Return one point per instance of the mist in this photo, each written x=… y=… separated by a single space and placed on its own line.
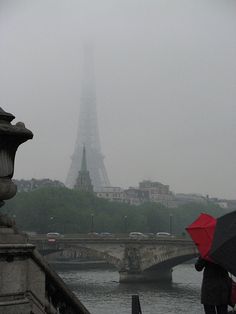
x=165 y=85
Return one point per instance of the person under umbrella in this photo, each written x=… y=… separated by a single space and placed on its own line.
x=223 y=247
x=216 y=287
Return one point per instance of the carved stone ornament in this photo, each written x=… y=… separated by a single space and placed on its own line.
x=11 y=136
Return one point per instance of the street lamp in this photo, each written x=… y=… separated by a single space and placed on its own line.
x=52 y=222
x=92 y=223
x=125 y=224
x=170 y=223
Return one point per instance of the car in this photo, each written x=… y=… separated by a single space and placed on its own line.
x=52 y=240
x=53 y=235
x=105 y=234
x=137 y=235
x=30 y=233
x=93 y=234
x=163 y=234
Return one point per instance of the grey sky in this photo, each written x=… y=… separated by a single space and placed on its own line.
x=166 y=87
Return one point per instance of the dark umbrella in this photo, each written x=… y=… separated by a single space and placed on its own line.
x=223 y=249
x=202 y=233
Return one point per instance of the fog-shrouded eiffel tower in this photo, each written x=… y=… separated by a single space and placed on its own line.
x=88 y=134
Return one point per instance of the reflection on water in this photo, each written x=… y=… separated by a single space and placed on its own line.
x=101 y=293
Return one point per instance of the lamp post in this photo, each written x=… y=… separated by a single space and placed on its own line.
x=92 y=223
x=125 y=224
x=11 y=137
x=52 y=222
x=170 y=223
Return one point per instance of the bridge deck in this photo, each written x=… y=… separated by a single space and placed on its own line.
x=125 y=240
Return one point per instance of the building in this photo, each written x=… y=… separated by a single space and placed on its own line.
x=110 y=193
x=33 y=184
x=231 y=204
x=88 y=133
x=131 y=196
x=158 y=192
x=182 y=198
x=155 y=186
x=135 y=196
x=147 y=191
x=83 y=182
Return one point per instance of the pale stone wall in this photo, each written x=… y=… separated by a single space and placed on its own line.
x=22 y=282
x=27 y=283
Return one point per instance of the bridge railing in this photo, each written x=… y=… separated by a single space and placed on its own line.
x=109 y=236
x=57 y=292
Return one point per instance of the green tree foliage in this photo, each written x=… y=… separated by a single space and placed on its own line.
x=70 y=211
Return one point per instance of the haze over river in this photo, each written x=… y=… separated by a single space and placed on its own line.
x=101 y=293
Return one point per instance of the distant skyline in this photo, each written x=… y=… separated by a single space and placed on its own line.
x=165 y=84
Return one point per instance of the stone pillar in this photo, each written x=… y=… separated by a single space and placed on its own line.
x=22 y=282
x=132 y=270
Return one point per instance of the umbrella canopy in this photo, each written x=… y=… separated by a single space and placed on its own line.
x=202 y=232
x=223 y=250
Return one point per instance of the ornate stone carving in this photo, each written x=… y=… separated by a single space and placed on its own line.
x=11 y=137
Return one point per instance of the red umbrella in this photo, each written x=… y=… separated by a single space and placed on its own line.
x=202 y=232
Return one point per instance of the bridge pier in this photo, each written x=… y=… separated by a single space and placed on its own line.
x=146 y=276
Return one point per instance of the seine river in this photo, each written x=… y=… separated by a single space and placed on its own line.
x=101 y=293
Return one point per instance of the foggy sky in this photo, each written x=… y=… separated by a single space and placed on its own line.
x=165 y=82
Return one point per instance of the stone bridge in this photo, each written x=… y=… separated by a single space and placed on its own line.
x=135 y=259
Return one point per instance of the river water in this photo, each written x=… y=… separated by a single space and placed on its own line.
x=101 y=293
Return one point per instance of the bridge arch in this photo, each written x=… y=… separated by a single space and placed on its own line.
x=76 y=252
x=168 y=257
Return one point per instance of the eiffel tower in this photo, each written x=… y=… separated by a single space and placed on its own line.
x=88 y=134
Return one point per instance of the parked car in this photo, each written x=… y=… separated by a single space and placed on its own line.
x=93 y=234
x=30 y=233
x=105 y=234
x=150 y=235
x=163 y=234
x=53 y=236
x=137 y=235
